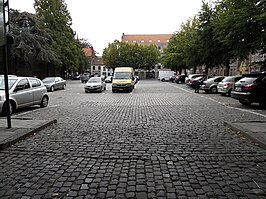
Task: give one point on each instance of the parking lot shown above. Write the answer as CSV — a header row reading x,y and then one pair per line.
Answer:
x,y
160,141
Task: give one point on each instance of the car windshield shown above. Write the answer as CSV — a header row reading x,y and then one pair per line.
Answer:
x,y
48,80
122,75
11,82
94,80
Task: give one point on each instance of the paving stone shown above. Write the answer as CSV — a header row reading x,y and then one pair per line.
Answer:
x,y
161,141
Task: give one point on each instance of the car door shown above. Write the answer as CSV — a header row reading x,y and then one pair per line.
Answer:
x,y
22,93
37,90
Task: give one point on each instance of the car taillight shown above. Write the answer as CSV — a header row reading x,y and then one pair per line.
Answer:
x,y
250,86
227,84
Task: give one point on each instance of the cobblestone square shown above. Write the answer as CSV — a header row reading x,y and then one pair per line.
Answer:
x,y
160,141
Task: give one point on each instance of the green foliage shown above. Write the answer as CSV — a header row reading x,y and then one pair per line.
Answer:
x,y
241,25
182,51
134,55
30,40
56,19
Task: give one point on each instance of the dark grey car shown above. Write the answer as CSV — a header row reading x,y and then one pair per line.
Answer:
x,y
54,83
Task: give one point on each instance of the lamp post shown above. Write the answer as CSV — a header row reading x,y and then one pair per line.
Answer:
x,y
4,27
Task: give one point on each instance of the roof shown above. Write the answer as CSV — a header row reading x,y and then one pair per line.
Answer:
x,y
88,52
147,38
97,61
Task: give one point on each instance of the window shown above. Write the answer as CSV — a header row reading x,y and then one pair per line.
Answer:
x,y
93,67
104,68
23,84
142,41
159,67
150,41
35,82
134,41
159,40
167,40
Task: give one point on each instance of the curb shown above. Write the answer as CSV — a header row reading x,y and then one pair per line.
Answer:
x,y
255,137
22,133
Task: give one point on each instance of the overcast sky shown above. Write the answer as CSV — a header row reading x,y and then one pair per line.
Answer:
x,y
103,21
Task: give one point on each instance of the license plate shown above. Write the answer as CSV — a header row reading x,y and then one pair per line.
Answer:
x,y
238,89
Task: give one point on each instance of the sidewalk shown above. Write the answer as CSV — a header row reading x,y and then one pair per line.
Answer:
x,y
254,130
20,129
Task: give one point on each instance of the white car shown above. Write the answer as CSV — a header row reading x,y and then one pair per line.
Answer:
x,y
23,92
95,84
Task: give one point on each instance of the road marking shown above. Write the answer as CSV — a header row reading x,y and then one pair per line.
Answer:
x,y
223,104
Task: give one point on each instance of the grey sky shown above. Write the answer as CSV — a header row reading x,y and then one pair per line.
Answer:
x,y
103,21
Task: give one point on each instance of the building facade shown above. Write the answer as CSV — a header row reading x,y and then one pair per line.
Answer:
x,y
98,68
160,40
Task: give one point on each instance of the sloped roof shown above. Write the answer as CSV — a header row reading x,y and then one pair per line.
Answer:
x,y
147,38
88,52
97,61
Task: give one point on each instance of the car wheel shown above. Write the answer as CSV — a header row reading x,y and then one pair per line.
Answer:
x,y
44,102
163,80
52,89
245,102
213,89
113,90
64,87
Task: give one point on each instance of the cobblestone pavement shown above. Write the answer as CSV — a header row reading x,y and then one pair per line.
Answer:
x,y
161,141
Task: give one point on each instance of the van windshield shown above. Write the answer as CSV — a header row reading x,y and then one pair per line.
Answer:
x,y
122,75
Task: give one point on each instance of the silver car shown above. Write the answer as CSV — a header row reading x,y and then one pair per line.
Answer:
x,y
210,85
95,84
23,92
54,83
227,84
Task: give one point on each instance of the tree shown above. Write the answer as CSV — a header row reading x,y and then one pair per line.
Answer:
x,y
241,25
31,42
183,50
56,19
134,55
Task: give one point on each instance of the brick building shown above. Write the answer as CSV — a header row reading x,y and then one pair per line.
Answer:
x,y
160,40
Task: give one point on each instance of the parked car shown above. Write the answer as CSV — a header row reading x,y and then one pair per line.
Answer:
x,y
23,92
84,77
192,76
251,89
172,78
54,83
193,81
210,85
180,79
227,84
95,84
108,79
